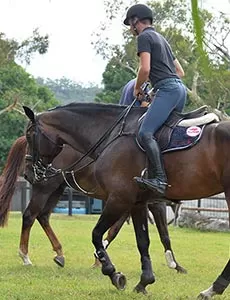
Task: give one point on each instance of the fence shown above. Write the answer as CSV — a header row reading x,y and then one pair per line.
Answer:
x,y
214,206
71,202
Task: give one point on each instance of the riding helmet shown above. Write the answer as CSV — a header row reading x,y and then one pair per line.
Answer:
x,y
140,11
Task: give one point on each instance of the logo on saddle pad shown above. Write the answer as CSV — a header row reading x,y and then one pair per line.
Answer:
x,y
193,131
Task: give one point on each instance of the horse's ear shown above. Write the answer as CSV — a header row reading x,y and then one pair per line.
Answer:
x,y
29,113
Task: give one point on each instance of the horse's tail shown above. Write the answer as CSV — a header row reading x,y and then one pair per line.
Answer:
x,y
9,177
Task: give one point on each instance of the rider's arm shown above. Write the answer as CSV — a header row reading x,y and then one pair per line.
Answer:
x,y
143,72
179,69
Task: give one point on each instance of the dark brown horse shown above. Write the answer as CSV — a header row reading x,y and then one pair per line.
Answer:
x,y
198,172
49,191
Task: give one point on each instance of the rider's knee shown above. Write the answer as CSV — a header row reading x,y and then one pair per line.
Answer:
x,y
145,136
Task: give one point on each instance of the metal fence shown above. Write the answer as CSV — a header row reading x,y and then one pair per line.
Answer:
x,y
214,206
71,201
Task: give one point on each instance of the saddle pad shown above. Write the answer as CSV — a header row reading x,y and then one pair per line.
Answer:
x,y
184,137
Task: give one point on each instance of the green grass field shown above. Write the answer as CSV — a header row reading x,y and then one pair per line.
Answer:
x,y
203,254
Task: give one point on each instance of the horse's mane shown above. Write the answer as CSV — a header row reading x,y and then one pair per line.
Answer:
x,y
92,106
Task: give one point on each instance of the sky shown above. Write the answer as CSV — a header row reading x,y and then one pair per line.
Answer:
x,y
70,52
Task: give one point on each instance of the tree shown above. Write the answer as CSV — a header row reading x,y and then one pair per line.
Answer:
x,y
114,77
10,49
18,88
16,84
66,90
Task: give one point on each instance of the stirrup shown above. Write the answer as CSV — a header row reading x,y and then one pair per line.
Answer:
x,y
144,173
158,187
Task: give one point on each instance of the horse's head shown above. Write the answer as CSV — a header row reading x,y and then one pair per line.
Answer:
x,y
43,145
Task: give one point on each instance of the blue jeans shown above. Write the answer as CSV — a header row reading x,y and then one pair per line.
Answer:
x,y
171,95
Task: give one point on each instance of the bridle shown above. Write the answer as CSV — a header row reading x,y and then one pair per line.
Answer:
x,y
41,170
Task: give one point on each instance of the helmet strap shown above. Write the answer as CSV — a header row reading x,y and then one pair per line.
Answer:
x,y
134,22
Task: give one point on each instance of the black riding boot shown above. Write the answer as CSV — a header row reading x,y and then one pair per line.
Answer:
x,y
159,183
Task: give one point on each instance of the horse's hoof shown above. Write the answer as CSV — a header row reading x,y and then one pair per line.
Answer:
x,y
203,297
97,264
118,280
25,258
27,263
140,289
207,294
60,261
181,270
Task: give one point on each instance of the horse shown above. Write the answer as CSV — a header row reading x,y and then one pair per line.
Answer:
x,y
117,159
49,191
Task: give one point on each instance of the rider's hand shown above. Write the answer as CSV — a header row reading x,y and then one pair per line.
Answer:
x,y
144,103
138,93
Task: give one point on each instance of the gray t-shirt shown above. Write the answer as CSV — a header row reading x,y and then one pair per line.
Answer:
x,y
162,58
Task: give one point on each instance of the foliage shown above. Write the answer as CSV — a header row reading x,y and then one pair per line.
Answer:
x,y
16,83
66,90
114,77
11,49
35,43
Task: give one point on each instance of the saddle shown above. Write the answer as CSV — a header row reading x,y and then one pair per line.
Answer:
x,y
182,130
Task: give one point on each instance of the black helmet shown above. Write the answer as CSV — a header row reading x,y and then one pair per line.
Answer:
x,y
140,11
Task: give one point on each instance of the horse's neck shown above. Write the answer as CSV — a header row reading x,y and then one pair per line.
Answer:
x,y
81,129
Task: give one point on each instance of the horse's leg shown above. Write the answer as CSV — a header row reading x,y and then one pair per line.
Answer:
x,y
33,209
27,222
112,233
158,209
225,179
43,219
113,209
176,212
150,217
175,208
114,230
219,285
140,223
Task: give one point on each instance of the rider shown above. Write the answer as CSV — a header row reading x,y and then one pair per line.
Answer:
x,y
158,64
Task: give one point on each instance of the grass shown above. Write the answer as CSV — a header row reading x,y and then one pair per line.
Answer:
x,y
203,254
